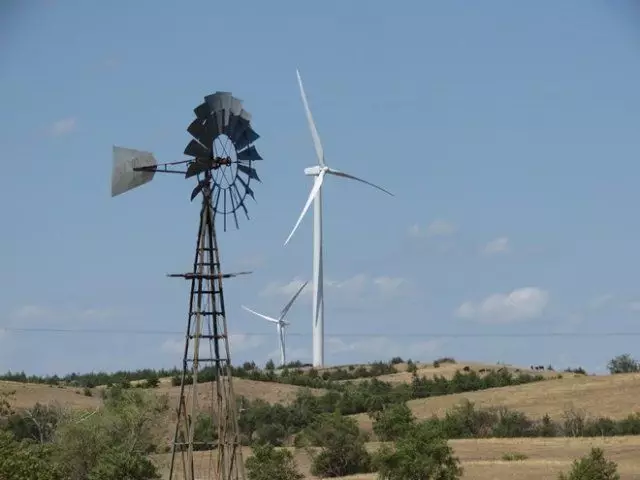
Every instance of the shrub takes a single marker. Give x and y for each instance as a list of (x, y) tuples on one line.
[(592, 467), (514, 457), (343, 446), (392, 422), (421, 454), (623, 364), (267, 463)]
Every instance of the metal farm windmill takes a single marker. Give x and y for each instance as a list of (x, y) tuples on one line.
[(319, 172), (221, 156), (281, 323)]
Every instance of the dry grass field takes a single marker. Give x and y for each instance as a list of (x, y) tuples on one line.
[(614, 396), (28, 394), (483, 459)]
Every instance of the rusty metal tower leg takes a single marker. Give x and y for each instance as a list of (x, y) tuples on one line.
[(207, 401)]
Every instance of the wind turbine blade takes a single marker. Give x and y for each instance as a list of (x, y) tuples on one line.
[(286, 308), (338, 173), (314, 191), (312, 125), (260, 315)]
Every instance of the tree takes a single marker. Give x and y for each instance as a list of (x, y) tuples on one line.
[(592, 467), (119, 464), (267, 463), (623, 364), (421, 454), (25, 460), (392, 422), (343, 446)]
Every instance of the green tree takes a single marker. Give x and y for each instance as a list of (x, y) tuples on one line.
[(421, 454), (342, 445), (592, 467), (27, 461), (267, 463), (623, 364), (118, 464), (392, 422)]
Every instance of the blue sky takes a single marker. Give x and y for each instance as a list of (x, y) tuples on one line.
[(508, 131)]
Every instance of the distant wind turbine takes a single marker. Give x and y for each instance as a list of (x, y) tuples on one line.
[(319, 171), (280, 322)]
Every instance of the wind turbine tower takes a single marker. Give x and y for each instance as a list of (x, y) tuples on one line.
[(280, 322), (318, 171)]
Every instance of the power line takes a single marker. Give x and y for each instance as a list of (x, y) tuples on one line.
[(345, 334)]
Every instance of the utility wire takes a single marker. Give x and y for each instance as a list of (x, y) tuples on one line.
[(346, 334)]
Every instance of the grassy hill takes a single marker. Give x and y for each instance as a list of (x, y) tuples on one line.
[(28, 394), (484, 459), (613, 396)]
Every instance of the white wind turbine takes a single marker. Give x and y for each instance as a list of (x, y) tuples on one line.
[(319, 171), (280, 322)]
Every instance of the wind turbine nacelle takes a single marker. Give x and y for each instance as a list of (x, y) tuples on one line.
[(314, 171)]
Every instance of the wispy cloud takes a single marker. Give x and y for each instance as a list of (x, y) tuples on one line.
[(520, 304), (63, 126), (634, 306), (600, 301), (356, 286), (437, 228), (497, 246)]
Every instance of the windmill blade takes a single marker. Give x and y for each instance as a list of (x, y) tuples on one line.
[(204, 132), (196, 149), (273, 320), (314, 191), (338, 173), (124, 177), (249, 171), (250, 153), (312, 125), (286, 308), (196, 191)]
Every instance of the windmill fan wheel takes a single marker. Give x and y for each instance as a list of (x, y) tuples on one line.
[(223, 153)]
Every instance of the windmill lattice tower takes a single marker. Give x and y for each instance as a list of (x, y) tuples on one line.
[(206, 441)]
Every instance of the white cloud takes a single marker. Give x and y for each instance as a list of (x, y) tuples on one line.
[(389, 284), (383, 346), (520, 304), (288, 289), (437, 228), (63, 126), (600, 301), (30, 311), (634, 306), (358, 285), (496, 246)]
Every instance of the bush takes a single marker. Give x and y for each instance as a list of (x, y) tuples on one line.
[(514, 457), (623, 364), (592, 467), (342, 445), (267, 463), (421, 454), (392, 422)]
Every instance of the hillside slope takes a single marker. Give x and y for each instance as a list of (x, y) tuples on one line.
[(614, 396)]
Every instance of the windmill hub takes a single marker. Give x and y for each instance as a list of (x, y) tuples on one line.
[(315, 170)]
